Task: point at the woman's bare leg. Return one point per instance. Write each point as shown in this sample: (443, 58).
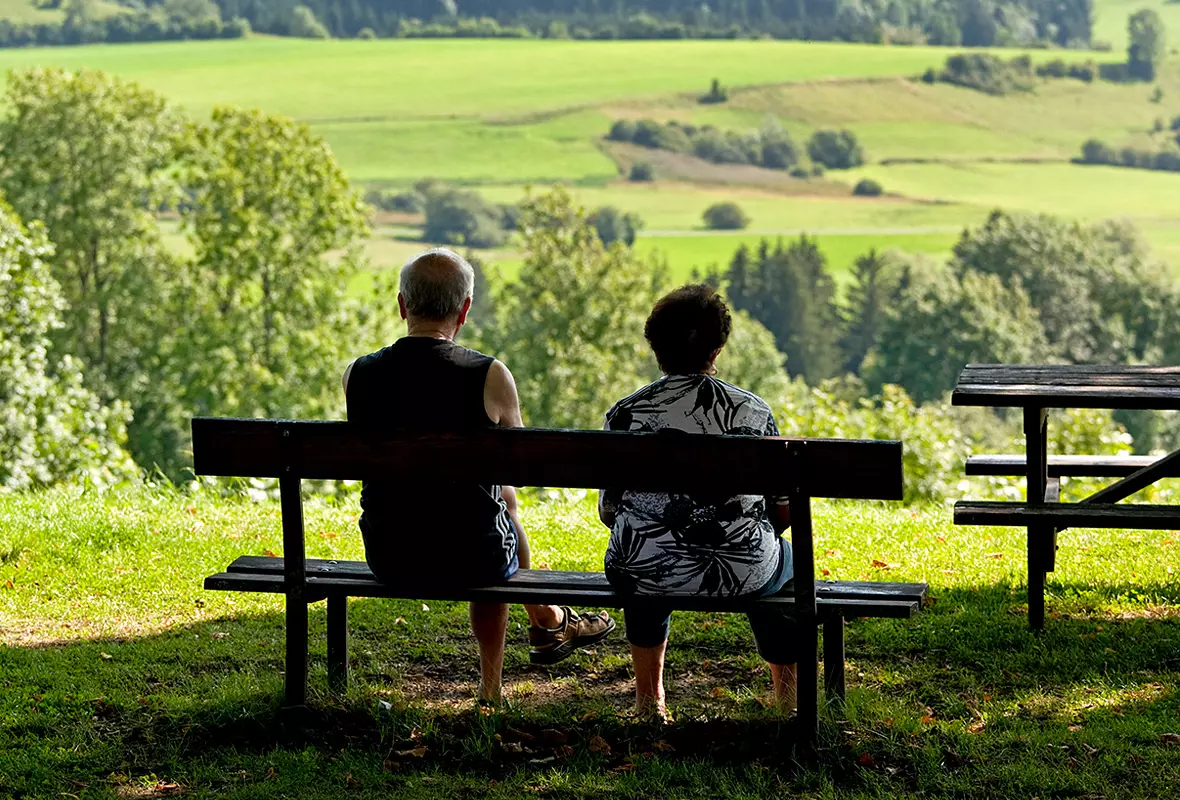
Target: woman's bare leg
(649, 679)
(786, 685)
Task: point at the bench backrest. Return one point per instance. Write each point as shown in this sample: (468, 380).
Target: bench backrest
(833, 468)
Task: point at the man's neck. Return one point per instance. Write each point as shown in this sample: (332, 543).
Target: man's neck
(431, 330)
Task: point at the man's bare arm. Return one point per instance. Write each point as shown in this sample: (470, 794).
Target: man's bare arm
(500, 399)
(347, 372)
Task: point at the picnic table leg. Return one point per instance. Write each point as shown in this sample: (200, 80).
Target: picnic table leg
(834, 689)
(291, 503)
(338, 642)
(1039, 537)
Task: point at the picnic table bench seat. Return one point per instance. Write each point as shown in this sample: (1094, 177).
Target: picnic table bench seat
(1016, 465)
(800, 469)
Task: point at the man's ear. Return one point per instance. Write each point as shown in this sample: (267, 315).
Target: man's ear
(401, 304)
(462, 320)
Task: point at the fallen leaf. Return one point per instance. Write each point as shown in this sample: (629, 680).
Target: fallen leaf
(270, 554)
(977, 726)
(717, 691)
(105, 656)
(167, 787)
(9, 584)
(826, 572)
(880, 564)
(220, 635)
(928, 719)
(940, 538)
(329, 534)
(400, 621)
(865, 760)
(599, 745)
(425, 607)
(994, 555)
(662, 746)
(510, 747)
(1170, 738)
(413, 752)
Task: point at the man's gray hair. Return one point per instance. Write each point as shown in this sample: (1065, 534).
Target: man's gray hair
(434, 284)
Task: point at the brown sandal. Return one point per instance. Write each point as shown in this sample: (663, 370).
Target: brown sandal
(550, 645)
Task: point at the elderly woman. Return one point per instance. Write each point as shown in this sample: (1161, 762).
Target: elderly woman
(675, 544)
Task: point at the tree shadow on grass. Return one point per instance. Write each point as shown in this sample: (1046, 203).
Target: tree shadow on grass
(920, 690)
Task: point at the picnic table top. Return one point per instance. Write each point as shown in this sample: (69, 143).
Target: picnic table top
(1068, 386)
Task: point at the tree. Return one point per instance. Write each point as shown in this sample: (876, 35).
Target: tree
(751, 360)
(789, 290)
(937, 322)
(642, 171)
(1097, 297)
(725, 217)
(867, 187)
(1148, 46)
(835, 149)
(52, 428)
(875, 279)
(303, 24)
(92, 156)
(571, 326)
(614, 225)
(462, 217)
(267, 326)
(779, 150)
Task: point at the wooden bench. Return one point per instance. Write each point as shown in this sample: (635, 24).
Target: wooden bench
(799, 468)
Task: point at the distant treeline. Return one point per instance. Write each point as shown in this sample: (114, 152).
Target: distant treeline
(173, 20)
(972, 23)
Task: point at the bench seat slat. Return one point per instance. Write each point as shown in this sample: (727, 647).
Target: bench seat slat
(896, 606)
(1068, 515)
(1062, 466)
(577, 581)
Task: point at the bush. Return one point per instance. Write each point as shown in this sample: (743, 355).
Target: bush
(366, 33)
(1096, 152)
(1087, 72)
(1053, 69)
(303, 24)
(835, 149)
(641, 171)
(716, 93)
(462, 218)
(867, 187)
(800, 172)
(817, 170)
(725, 217)
(509, 216)
(623, 130)
(990, 74)
(612, 225)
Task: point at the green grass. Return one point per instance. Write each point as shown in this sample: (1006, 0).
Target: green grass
(121, 676)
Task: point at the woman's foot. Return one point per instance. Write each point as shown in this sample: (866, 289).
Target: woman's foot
(550, 645)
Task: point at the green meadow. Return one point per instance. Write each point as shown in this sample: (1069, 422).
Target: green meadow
(122, 678)
(505, 115)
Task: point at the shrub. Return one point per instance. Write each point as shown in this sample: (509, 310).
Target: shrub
(642, 171)
(867, 187)
(1176, 123)
(800, 172)
(407, 202)
(1087, 72)
(366, 33)
(1053, 69)
(1157, 94)
(649, 133)
(987, 73)
(303, 24)
(835, 149)
(612, 225)
(716, 94)
(1096, 152)
(509, 216)
(463, 218)
(623, 130)
(725, 217)
(817, 170)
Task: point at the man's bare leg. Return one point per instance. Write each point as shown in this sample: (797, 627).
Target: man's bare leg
(786, 685)
(649, 680)
(489, 622)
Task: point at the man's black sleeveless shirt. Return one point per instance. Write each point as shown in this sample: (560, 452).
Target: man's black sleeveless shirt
(432, 386)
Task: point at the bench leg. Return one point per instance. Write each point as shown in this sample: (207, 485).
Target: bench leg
(296, 680)
(338, 642)
(834, 658)
(1036, 585)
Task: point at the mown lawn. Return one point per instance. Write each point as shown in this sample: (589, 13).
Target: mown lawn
(122, 678)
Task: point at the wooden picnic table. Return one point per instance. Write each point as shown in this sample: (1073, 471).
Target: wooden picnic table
(1036, 389)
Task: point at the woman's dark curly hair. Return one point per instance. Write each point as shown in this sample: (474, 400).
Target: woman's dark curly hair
(686, 327)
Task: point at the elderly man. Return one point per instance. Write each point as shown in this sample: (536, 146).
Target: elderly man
(425, 382)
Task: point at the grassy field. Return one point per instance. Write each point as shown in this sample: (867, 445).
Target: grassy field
(122, 678)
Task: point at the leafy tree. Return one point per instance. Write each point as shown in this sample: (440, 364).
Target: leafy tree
(614, 225)
(789, 290)
(938, 321)
(267, 326)
(642, 171)
(52, 428)
(1097, 297)
(303, 24)
(867, 187)
(725, 217)
(91, 156)
(571, 326)
(462, 217)
(1148, 46)
(835, 149)
(779, 150)
(751, 360)
(875, 279)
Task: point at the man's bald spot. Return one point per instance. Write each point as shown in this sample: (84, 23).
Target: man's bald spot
(436, 283)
